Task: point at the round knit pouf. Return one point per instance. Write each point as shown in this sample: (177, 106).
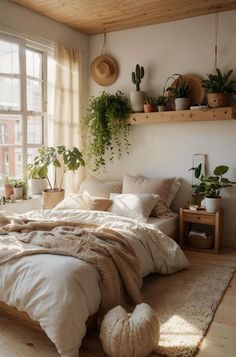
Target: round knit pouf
(126, 335)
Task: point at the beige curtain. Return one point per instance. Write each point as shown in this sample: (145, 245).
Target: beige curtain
(67, 128)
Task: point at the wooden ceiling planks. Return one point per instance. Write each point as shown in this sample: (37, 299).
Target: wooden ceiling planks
(97, 16)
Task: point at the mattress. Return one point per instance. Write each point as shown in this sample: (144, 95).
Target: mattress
(167, 224)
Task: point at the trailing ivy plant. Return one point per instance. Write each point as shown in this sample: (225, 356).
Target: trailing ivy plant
(107, 128)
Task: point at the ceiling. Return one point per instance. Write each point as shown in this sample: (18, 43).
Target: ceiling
(96, 16)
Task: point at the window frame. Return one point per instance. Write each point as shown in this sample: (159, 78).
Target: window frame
(23, 112)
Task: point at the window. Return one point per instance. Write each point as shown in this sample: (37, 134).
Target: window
(23, 103)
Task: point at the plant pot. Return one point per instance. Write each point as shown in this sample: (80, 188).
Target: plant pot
(137, 99)
(38, 185)
(217, 100)
(182, 103)
(52, 197)
(8, 190)
(18, 192)
(161, 108)
(148, 108)
(213, 204)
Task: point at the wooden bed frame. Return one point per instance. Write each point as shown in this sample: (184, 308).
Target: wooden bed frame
(24, 318)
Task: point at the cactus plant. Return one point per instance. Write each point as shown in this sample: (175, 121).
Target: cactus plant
(137, 76)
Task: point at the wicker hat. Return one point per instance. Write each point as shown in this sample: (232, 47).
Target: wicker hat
(104, 70)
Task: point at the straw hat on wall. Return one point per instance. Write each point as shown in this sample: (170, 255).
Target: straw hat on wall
(104, 70)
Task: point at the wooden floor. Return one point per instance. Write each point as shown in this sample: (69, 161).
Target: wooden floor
(18, 340)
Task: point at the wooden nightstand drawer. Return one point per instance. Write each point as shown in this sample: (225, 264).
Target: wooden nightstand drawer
(199, 218)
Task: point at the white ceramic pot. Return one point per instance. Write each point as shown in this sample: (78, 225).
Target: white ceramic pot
(18, 192)
(161, 108)
(137, 100)
(52, 197)
(213, 204)
(182, 103)
(38, 185)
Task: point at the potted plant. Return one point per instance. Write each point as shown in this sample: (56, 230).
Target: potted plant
(211, 186)
(60, 158)
(219, 88)
(149, 105)
(161, 103)
(107, 129)
(38, 182)
(18, 188)
(8, 187)
(137, 98)
(180, 92)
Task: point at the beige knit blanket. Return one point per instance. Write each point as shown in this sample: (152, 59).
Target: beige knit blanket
(109, 251)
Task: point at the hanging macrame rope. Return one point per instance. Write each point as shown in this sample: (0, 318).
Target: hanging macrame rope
(216, 40)
(103, 52)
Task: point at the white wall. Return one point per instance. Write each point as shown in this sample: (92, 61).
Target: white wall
(22, 20)
(161, 150)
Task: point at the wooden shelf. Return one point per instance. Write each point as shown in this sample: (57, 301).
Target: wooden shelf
(226, 113)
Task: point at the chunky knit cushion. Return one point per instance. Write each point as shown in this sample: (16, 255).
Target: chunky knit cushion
(125, 335)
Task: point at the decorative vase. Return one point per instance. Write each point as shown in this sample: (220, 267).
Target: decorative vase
(148, 108)
(52, 197)
(18, 192)
(213, 204)
(161, 108)
(218, 100)
(182, 103)
(137, 99)
(38, 185)
(8, 190)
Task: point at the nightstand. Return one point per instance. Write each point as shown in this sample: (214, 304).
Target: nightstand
(214, 221)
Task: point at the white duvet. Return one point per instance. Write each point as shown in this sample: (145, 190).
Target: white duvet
(62, 292)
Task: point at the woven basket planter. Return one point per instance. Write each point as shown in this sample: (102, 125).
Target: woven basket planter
(196, 241)
(52, 197)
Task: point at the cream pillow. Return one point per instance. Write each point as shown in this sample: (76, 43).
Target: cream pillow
(139, 184)
(173, 192)
(138, 206)
(84, 201)
(99, 188)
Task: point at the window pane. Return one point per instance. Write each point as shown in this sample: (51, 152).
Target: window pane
(34, 95)
(9, 57)
(11, 162)
(10, 94)
(35, 129)
(32, 153)
(34, 64)
(10, 130)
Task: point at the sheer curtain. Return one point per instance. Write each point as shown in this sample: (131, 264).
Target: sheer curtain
(67, 111)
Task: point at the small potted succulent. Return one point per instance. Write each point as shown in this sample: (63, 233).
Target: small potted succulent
(219, 88)
(149, 105)
(137, 98)
(18, 189)
(211, 186)
(161, 103)
(180, 91)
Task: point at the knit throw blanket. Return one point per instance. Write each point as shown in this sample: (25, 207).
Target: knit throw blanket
(109, 251)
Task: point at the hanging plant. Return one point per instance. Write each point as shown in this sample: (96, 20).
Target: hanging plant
(107, 128)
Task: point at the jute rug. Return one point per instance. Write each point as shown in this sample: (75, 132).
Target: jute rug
(185, 302)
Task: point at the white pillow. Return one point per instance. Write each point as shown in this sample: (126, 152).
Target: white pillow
(137, 206)
(173, 191)
(99, 188)
(84, 201)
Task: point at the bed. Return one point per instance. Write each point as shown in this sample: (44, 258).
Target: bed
(62, 291)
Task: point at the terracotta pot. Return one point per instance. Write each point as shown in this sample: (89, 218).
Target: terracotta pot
(52, 197)
(8, 190)
(182, 103)
(137, 99)
(217, 100)
(148, 108)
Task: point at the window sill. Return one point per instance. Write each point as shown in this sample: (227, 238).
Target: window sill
(22, 206)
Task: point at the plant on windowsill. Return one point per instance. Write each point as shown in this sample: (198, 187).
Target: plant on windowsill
(19, 188)
(149, 105)
(62, 160)
(179, 88)
(107, 129)
(211, 186)
(219, 88)
(137, 98)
